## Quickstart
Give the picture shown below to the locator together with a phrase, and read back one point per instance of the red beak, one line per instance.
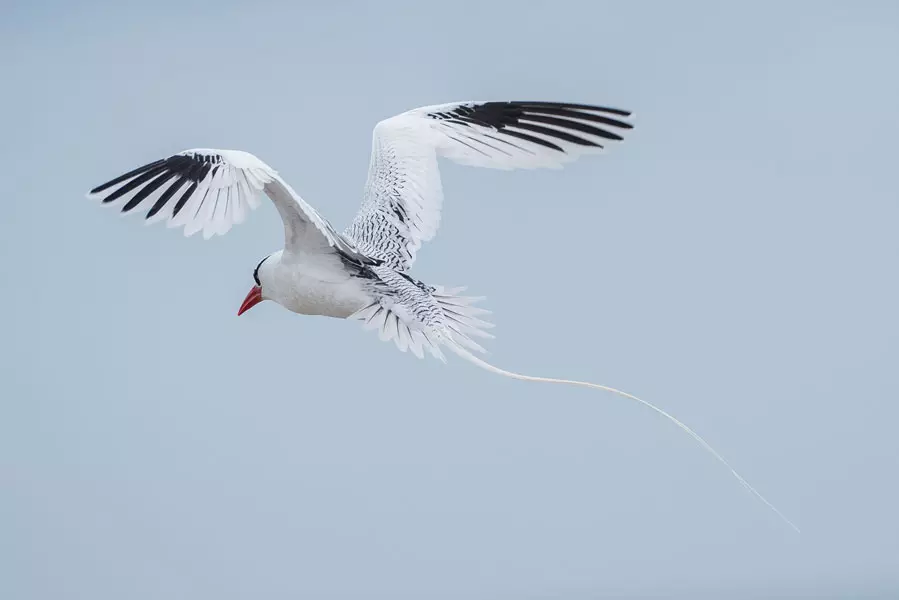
(252, 299)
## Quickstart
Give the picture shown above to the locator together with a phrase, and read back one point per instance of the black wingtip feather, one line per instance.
(556, 133)
(183, 199)
(567, 124)
(569, 105)
(134, 183)
(534, 139)
(164, 198)
(127, 176)
(583, 116)
(148, 189)
(565, 118)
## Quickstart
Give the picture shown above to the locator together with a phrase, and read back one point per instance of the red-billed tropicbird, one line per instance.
(362, 273)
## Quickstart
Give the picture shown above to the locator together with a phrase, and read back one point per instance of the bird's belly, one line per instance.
(314, 297)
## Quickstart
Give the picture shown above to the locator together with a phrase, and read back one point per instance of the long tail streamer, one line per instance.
(485, 365)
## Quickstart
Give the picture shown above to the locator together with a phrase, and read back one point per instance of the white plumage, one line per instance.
(362, 272)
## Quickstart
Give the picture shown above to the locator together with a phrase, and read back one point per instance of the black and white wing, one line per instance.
(213, 190)
(403, 193)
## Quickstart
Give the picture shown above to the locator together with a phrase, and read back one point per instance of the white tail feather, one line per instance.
(455, 347)
(459, 319)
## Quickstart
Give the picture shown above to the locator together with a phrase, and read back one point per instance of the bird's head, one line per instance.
(261, 276)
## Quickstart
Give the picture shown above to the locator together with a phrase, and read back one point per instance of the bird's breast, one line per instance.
(310, 294)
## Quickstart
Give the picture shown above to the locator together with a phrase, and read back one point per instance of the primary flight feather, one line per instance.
(362, 272)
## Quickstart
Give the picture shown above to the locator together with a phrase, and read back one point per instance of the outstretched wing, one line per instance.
(213, 190)
(403, 194)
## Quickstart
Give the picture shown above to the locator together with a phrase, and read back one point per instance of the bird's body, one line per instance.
(308, 285)
(363, 272)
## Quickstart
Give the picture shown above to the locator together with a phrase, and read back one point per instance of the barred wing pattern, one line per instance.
(213, 190)
(403, 193)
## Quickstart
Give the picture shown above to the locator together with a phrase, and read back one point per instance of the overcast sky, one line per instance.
(734, 261)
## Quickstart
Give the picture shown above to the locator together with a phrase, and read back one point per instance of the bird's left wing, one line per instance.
(213, 190)
(403, 194)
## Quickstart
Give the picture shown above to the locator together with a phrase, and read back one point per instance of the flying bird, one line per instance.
(362, 273)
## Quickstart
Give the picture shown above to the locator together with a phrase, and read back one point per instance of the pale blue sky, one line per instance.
(733, 261)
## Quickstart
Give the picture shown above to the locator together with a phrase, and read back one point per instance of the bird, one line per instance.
(363, 272)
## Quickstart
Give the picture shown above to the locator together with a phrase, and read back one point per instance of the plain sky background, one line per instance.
(734, 261)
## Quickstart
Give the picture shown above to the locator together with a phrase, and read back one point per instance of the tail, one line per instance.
(458, 349)
(396, 320)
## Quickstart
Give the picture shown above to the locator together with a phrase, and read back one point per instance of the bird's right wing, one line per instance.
(403, 193)
(213, 190)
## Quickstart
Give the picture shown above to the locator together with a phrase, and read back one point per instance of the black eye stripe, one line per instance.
(256, 271)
